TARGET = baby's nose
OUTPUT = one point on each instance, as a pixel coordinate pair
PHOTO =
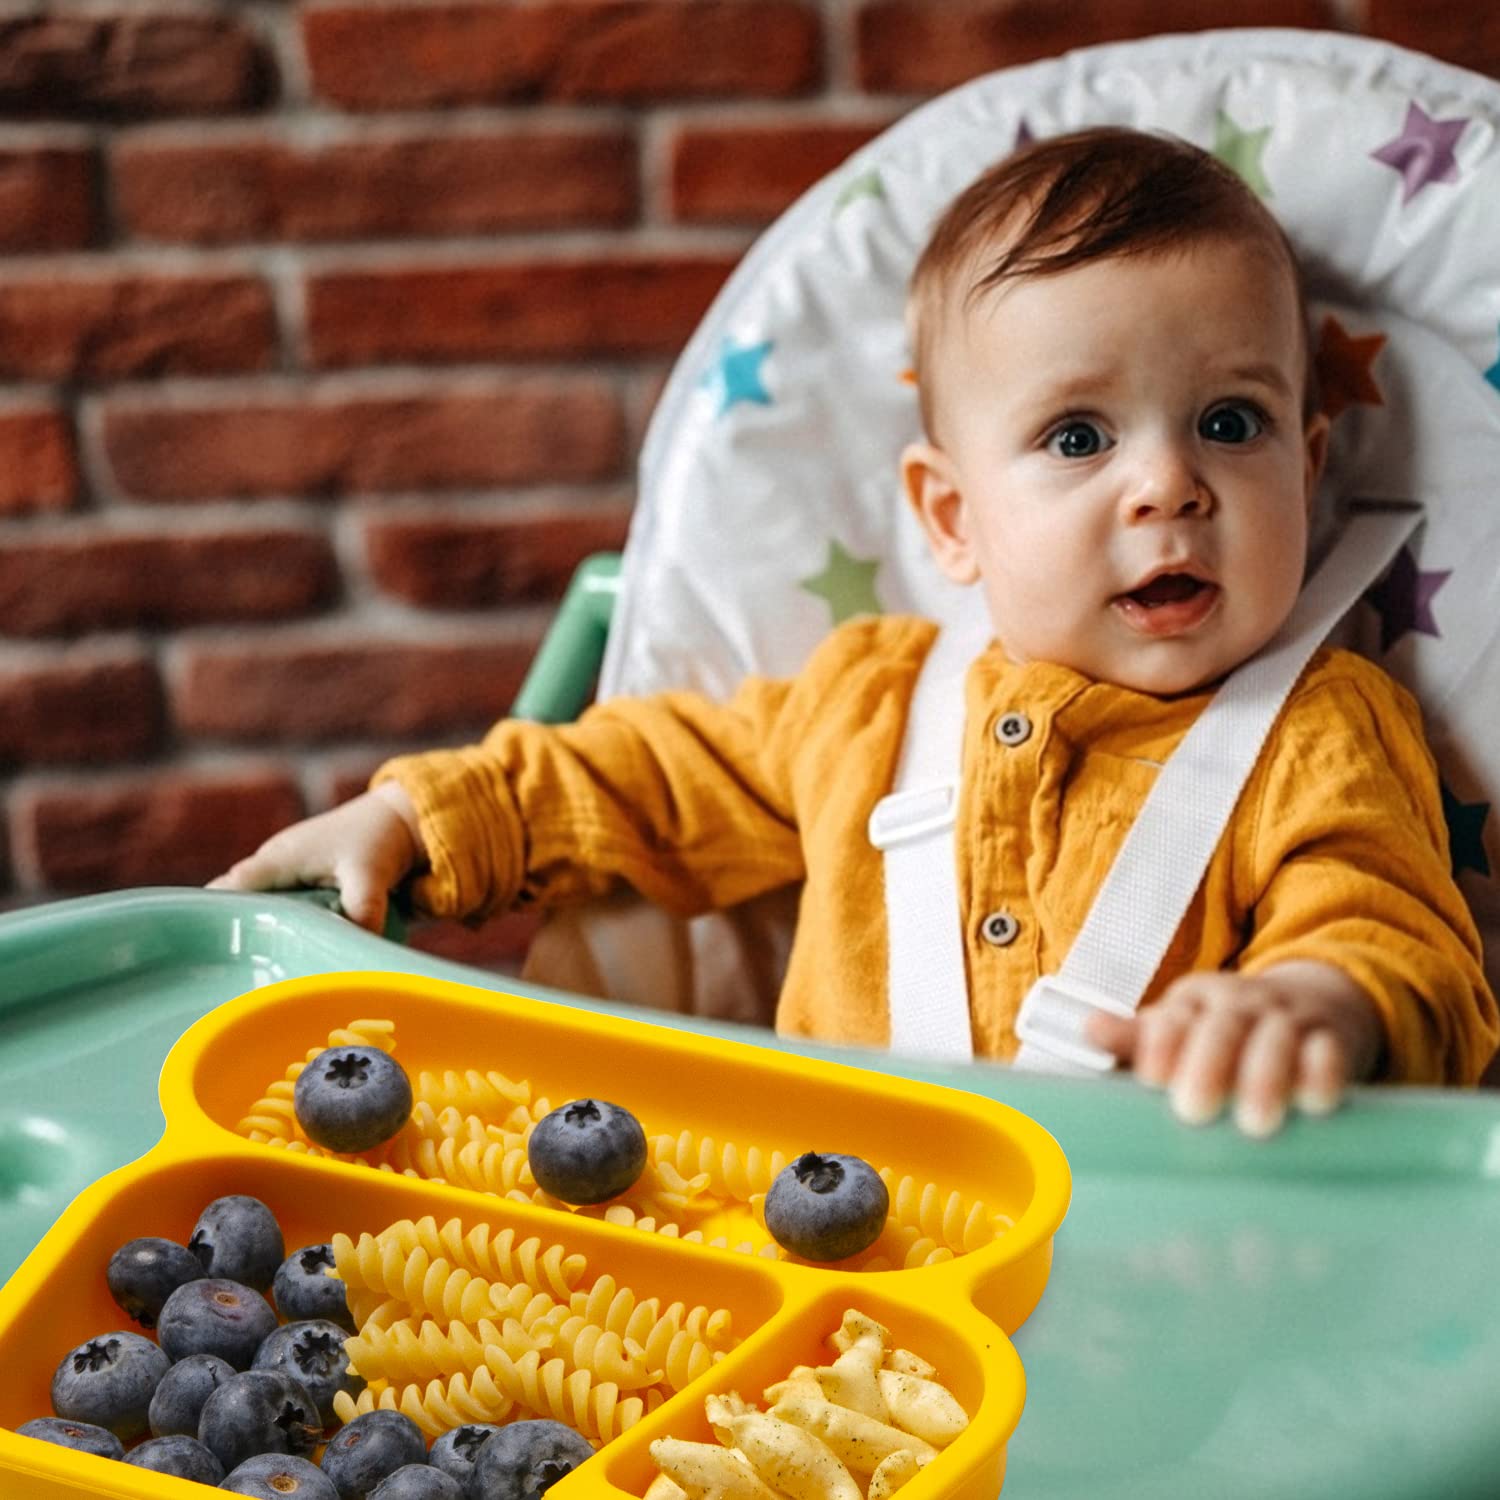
(1167, 484)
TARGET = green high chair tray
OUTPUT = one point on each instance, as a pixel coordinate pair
(1313, 1317)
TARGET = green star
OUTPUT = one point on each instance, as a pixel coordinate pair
(866, 185)
(846, 583)
(1242, 149)
(1465, 832)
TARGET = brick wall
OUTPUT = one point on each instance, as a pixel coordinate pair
(328, 334)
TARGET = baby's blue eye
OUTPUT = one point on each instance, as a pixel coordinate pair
(1076, 440)
(1234, 422)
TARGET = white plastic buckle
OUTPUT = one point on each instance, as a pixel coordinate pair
(903, 816)
(1052, 1018)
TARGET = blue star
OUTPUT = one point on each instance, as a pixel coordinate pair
(1465, 832)
(1493, 374)
(735, 375)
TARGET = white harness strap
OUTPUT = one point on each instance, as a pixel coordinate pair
(913, 826)
(1149, 887)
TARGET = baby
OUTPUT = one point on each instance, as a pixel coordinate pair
(1122, 443)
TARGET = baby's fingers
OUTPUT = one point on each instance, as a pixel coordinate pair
(1207, 1063)
(362, 896)
(262, 872)
(1322, 1072)
(1267, 1068)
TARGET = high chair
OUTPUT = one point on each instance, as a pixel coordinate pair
(1310, 1318)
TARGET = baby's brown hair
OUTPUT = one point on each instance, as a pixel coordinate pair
(1086, 196)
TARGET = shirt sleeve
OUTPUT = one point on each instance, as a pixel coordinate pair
(1349, 865)
(689, 801)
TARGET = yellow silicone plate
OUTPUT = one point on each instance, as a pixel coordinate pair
(955, 1313)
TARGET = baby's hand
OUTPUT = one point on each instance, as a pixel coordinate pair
(362, 848)
(1298, 1032)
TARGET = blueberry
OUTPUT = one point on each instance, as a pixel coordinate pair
(378, 1443)
(261, 1411)
(312, 1353)
(457, 1449)
(145, 1272)
(587, 1151)
(826, 1207)
(179, 1398)
(525, 1458)
(418, 1482)
(352, 1098)
(84, 1436)
(109, 1381)
(237, 1238)
(212, 1316)
(303, 1289)
(185, 1457)
(274, 1476)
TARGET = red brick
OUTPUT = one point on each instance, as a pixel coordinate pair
(913, 46)
(501, 433)
(38, 467)
(748, 174)
(109, 327)
(132, 63)
(380, 688)
(1467, 34)
(46, 199)
(458, 562)
(170, 829)
(461, 182)
(419, 56)
(101, 708)
(52, 585)
(560, 309)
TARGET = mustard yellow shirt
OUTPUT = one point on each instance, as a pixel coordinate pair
(1337, 850)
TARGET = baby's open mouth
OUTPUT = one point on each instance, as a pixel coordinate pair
(1169, 588)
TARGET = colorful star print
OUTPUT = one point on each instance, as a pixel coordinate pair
(1493, 374)
(846, 583)
(1242, 150)
(1343, 362)
(1403, 599)
(1423, 152)
(735, 375)
(865, 185)
(1465, 822)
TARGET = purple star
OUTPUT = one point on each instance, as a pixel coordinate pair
(1423, 152)
(1024, 137)
(1403, 599)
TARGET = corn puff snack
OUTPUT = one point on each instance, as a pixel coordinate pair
(858, 1428)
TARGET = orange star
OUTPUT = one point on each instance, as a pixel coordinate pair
(1343, 364)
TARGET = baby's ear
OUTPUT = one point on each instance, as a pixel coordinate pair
(931, 484)
(1315, 452)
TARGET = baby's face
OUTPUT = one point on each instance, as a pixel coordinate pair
(1125, 468)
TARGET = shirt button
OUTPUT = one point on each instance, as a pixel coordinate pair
(1000, 928)
(1012, 729)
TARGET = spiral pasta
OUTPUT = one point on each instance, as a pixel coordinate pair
(471, 1092)
(550, 1389)
(946, 1219)
(427, 1284)
(436, 1406)
(411, 1350)
(731, 1173)
(497, 1256)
